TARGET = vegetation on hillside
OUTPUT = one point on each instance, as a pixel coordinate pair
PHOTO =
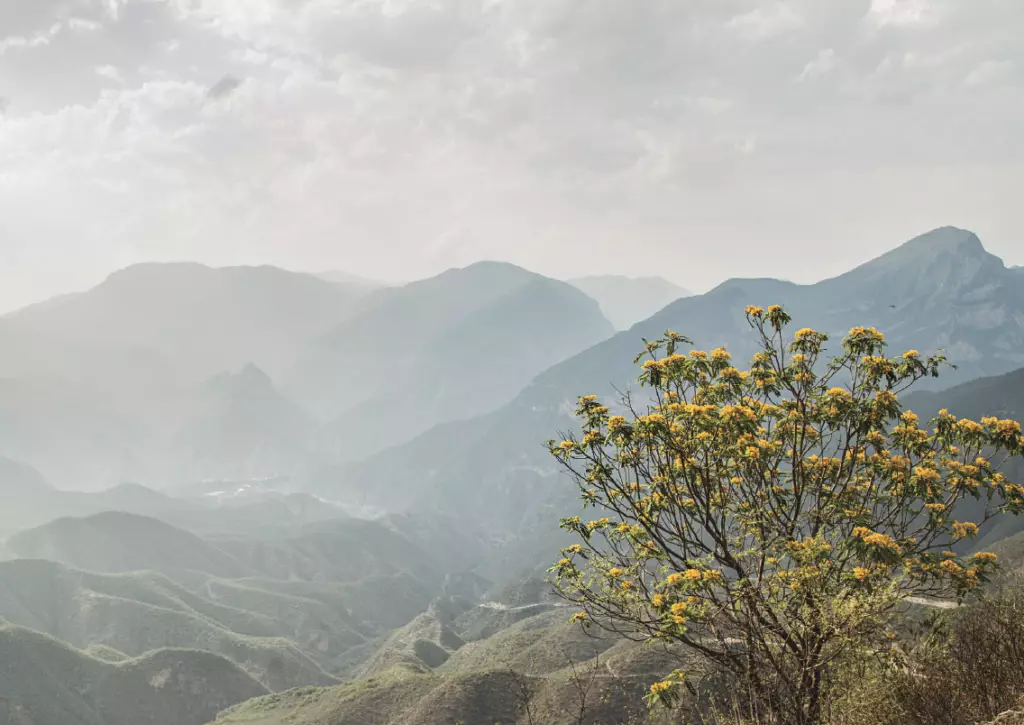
(774, 520)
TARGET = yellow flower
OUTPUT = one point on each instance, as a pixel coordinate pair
(564, 562)
(720, 353)
(868, 332)
(658, 600)
(969, 426)
(674, 579)
(615, 572)
(627, 585)
(963, 529)
(566, 445)
(616, 422)
(754, 311)
(679, 619)
(693, 575)
(579, 617)
(875, 539)
(951, 567)
(1007, 427)
(659, 688)
(984, 556)
(804, 333)
(698, 354)
(861, 573)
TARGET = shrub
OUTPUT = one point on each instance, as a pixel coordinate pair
(774, 519)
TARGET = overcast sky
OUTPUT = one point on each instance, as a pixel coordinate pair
(696, 139)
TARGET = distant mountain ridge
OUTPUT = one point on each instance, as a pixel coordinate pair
(628, 300)
(191, 320)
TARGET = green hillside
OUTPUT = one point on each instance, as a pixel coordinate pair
(45, 682)
(132, 614)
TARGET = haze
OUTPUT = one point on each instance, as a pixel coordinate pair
(692, 140)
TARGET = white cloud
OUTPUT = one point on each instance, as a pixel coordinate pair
(767, 21)
(822, 65)
(395, 138)
(903, 12)
(110, 73)
(989, 71)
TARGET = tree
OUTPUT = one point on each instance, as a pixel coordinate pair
(773, 520)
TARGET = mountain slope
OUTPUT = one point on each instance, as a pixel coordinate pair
(120, 542)
(628, 300)
(238, 426)
(53, 684)
(445, 348)
(135, 613)
(939, 290)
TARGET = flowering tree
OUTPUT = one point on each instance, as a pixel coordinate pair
(774, 519)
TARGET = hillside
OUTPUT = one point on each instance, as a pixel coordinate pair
(482, 682)
(404, 697)
(132, 614)
(496, 468)
(53, 684)
(626, 301)
(120, 542)
(445, 348)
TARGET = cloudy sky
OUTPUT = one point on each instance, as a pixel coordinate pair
(697, 139)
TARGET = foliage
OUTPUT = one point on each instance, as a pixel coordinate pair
(773, 519)
(968, 671)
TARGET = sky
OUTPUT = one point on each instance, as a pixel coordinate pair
(694, 139)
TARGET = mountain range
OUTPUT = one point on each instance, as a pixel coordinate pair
(938, 291)
(166, 373)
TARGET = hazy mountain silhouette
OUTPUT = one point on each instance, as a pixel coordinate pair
(351, 281)
(190, 321)
(452, 346)
(628, 300)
